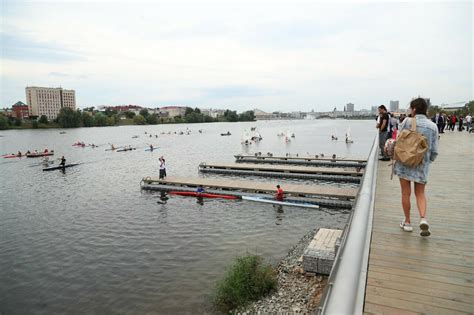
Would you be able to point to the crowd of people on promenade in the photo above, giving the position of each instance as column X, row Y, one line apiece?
column 448, row 122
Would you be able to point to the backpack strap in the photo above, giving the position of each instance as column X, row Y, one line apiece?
column 413, row 124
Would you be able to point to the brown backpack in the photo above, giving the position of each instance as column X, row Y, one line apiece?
column 411, row 146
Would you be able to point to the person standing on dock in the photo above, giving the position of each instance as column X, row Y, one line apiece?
column 417, row 174
column 162, row 168
column 382, row 125
column 279, row 194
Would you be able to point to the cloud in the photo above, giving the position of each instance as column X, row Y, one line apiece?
column 66, row 75
column 18, row 47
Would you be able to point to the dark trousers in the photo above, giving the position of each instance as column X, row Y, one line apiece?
column 162, row 173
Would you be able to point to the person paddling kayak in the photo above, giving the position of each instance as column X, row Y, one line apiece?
column 63, row 162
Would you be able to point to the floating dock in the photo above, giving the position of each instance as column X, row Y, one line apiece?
column 248, row 187
column 300, row 158
column 353, row 175
column 306, row 161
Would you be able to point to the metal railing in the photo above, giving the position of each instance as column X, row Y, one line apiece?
column 345, row 291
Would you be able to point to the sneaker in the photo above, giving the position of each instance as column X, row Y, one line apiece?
column 424, row 227
column 406, row 226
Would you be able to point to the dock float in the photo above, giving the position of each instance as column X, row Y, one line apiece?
column 247, row 187
column 300, row 158
column 357, row 163
column 353, row 175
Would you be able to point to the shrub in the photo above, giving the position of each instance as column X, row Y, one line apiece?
column 247, row 280
column 43, row 119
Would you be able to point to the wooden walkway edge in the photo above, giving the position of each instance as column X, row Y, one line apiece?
column 408, row 274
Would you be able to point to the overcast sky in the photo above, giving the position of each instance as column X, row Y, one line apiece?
column 272, row 55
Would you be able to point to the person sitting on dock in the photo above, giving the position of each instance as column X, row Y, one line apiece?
column 279, row 193
column 200, row 189
column 63, row 162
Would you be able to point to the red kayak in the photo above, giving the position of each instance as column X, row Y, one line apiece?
column 10, row 156
column 202, row 195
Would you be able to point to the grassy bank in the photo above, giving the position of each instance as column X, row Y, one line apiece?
column 247, row 280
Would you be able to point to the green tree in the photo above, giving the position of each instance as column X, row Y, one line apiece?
column 178, row 119
column 100, row 119
column 87, row 119
column 139, row 120
column 109, row 112
column 144, row 112
column 69, row 118
column 152, row 119
column 231, row 115
column 3, row 122
column 247, row 116
column 18, row 122
column 129, row 114
column 34, row 124
column 43, row 119
column 188, row 111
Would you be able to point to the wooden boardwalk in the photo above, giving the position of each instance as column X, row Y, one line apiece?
column 256, row 186
column 288, row 169
column 409, row 274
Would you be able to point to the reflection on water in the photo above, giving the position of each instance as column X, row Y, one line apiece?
column 88, row 240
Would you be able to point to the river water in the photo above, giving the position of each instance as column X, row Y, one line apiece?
column 90, row 241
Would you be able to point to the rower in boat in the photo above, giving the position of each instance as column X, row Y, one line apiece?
column 19, row 154
column 63, row 162
column 200, row 189
column 151, row 147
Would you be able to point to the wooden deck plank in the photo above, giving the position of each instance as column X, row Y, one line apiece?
column 290, row 189
column 409, row 287
column 432, row 275
column 420, row 298
column 286, row 168
column 371, row 308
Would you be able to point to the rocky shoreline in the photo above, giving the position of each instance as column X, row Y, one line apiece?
column 298, row 292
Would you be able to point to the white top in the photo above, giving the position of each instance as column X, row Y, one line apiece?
column 469, row 118
column 162, row 165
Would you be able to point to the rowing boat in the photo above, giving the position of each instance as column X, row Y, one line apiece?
column 150, row 149
column 201, row 195
column 33, row 155
column 127, row 149
column 60, row 167
column 10, row 156
column 282, row 203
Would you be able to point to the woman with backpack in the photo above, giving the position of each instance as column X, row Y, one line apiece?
column 416, row 148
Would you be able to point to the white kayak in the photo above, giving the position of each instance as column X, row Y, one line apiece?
column 283, row 203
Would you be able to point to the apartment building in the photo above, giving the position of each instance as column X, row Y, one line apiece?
column 48, row 101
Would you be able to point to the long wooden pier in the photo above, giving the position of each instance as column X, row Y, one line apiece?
column 358, row 163
column 253, row 187
column 299, row 158
column 287, row 169
column 409, row 274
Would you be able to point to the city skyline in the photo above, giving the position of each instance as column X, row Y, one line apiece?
column 275, row 57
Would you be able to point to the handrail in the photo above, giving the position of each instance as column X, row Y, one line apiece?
column 345, row 291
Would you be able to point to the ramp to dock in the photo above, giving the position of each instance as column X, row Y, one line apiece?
column 253, row 187
column 408, row 274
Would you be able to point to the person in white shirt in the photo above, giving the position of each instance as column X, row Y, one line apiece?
column 468, row 122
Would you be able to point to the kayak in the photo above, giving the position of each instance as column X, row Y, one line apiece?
column 202, row 195
column 225, row 134
column 123, row 150
column 282, row 203
column 10, row 156
column 53, row 168
column 150, row 149
column 33, row 155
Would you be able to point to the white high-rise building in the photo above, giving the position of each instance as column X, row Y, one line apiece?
column 394, row 106
column 349, row 107
column 48, row 101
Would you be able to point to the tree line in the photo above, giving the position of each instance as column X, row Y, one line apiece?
column 89, row 117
